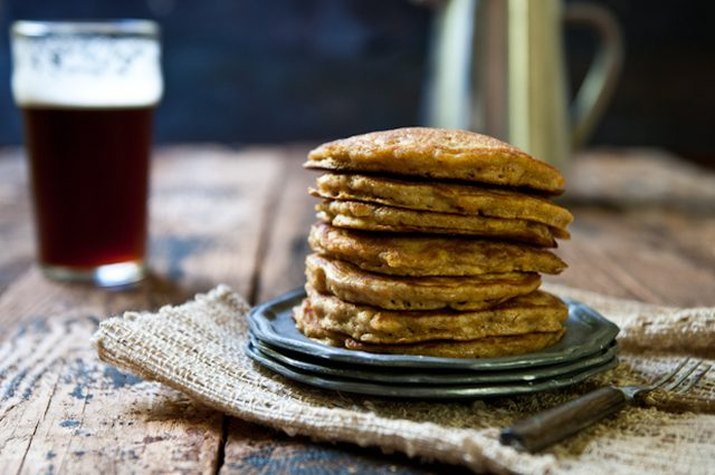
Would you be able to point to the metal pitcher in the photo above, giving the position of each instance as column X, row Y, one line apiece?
column 498, row 68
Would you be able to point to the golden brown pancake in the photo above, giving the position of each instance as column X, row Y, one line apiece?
column 429, row 255
column 370, row 217
column 352, row 284
column 486, row 347
column 441, row 197
column 438, row 153
column 535, row 312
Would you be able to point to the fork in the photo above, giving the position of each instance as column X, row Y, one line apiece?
column 553, row 425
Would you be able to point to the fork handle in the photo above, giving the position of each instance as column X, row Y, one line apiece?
column 553, row 425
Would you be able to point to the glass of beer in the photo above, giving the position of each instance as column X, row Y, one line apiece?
column 87, row 92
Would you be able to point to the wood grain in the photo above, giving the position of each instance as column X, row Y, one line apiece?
column 282, row 268
column 255, row 450
column 656, row 258
column 16, row 238
column 63, row 411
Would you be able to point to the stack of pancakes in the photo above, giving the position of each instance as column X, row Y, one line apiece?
column 432, row 242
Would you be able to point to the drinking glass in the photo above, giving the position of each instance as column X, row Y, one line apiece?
column 87, row 92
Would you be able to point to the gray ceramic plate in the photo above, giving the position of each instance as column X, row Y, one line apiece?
column 587, row 332
column 302, row 363
column 427, row 392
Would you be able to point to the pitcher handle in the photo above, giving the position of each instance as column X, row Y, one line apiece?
column 600, row 82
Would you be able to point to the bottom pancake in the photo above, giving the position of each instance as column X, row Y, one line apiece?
column 322, row 315
column 487, row 347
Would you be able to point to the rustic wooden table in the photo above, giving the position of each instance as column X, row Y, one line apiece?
column 240, row 217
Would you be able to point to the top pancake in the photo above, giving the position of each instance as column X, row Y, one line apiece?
column 438, row 153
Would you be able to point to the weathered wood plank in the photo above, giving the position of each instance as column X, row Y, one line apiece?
column 255, row 450
column 207, row 214
column 61, row 410
column 642, row 255
column 16, row 242
column 283, row 267
column 653, row 237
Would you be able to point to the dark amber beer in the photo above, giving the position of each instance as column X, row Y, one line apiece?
column 87, row 92
column 89, row 176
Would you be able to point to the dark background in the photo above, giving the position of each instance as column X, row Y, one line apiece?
column 282, row 70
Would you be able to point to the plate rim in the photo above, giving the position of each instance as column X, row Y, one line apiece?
column 431, row 392
column 423, row 377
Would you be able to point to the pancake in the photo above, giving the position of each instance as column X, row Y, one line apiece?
column 489, row 347
column 535, row 312
column 486, row 347
column 442, row 197
column 425, row 255
column 441, row 154
column 370, row 217
column 348, row 282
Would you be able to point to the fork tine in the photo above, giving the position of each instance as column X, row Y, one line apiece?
column 681, row 377
column 694, row 380
column 665, row 378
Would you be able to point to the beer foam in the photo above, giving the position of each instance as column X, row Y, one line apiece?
column 92, row 72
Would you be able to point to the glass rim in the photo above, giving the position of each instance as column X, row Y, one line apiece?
column 129, row 26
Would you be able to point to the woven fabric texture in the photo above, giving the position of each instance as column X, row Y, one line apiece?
column 197, row 348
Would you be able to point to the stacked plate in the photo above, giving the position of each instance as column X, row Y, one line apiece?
column 588, row 348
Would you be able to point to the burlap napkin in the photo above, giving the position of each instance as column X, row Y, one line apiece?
column 197, row 348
